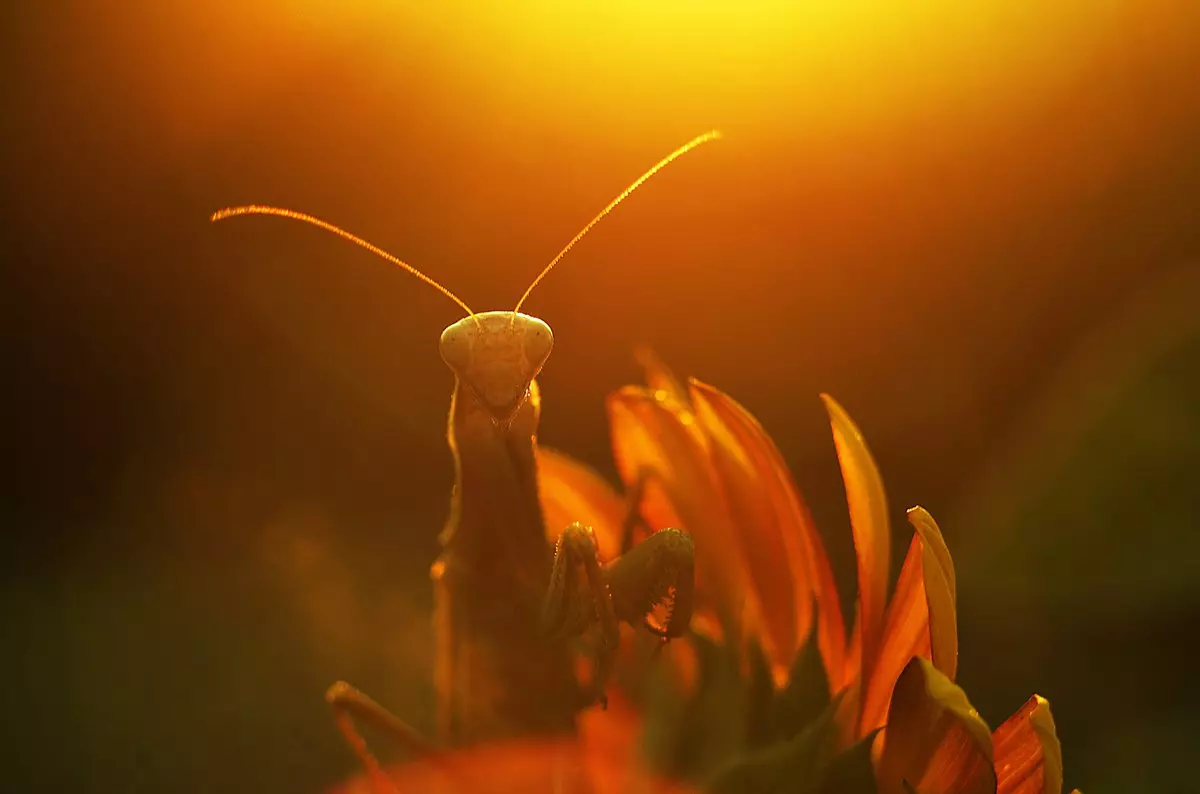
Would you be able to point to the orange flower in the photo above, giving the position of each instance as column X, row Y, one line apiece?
column 712, row 468
column 709, row 466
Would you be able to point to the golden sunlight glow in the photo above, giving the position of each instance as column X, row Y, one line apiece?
column 612, row 69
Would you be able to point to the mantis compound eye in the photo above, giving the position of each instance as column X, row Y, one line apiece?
column 455, row 346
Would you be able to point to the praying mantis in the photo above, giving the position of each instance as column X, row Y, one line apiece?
column 507, row 605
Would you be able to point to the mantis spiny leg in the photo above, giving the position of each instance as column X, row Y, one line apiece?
column 658, row 571
column 578, row 597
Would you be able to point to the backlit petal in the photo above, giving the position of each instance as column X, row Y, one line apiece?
column 905, row 635
column 659, row 377
column 655, row 506
column 784, row 551
column 652, row 432
column 757, row 533
column 1028, row 755
column 921, row 619
column 938, row 570
column 570, row 491
column 934, row 739
column 869, row 522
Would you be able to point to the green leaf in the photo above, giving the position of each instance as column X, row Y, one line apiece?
column 807, row 692
column 793, row 765
column 760, row 697
column 664, row 704
column 851, row 771
column 688, row 737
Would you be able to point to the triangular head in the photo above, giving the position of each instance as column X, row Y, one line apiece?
column 497, row 355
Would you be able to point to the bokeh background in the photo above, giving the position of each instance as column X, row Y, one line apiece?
column 975, row 224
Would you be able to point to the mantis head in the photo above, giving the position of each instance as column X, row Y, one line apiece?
column 497, row 355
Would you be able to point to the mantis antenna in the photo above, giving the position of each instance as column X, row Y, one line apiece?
column 660, row 165
column 260, row 209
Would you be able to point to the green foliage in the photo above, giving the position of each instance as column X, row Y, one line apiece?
column 802, row 764
column 851, row 772
column 806, row 694
column 736, row 732
column 788, row 765
column 688, row 736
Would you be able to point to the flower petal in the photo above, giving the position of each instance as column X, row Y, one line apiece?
column 652, row 432
column 869, row 522
column 570, row 491
column 757, row 534
column 1028, row 754
column 905, row 635
column 658, row 376
column 938, row 575
column 921, row 618
column 934, row 740
column 784, row 551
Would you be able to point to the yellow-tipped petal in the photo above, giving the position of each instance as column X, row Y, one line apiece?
column 929, row 527
column 570, row 491
column 921, row 617
column 784, row 551
column 869, row 523
column 1028, row 754
column 938, row 570
column 934, row 740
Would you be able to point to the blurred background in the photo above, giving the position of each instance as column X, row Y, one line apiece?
column 974, row 224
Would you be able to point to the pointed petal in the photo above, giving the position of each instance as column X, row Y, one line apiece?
column 756, row 533
column 921, row 619
column 935, row 740
column 784, row 550
column 659, row 377
column 654, row 433
column 655, row 506
column 869, row 522
column 905, row 635
column 938, row 577
column 1028, row 754
column 923, row 522
column 570, row 491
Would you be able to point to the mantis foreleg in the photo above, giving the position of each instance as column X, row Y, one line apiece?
column 582, row 593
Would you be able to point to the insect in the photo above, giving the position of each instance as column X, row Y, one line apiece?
column 505, row 605
column 583, row 592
